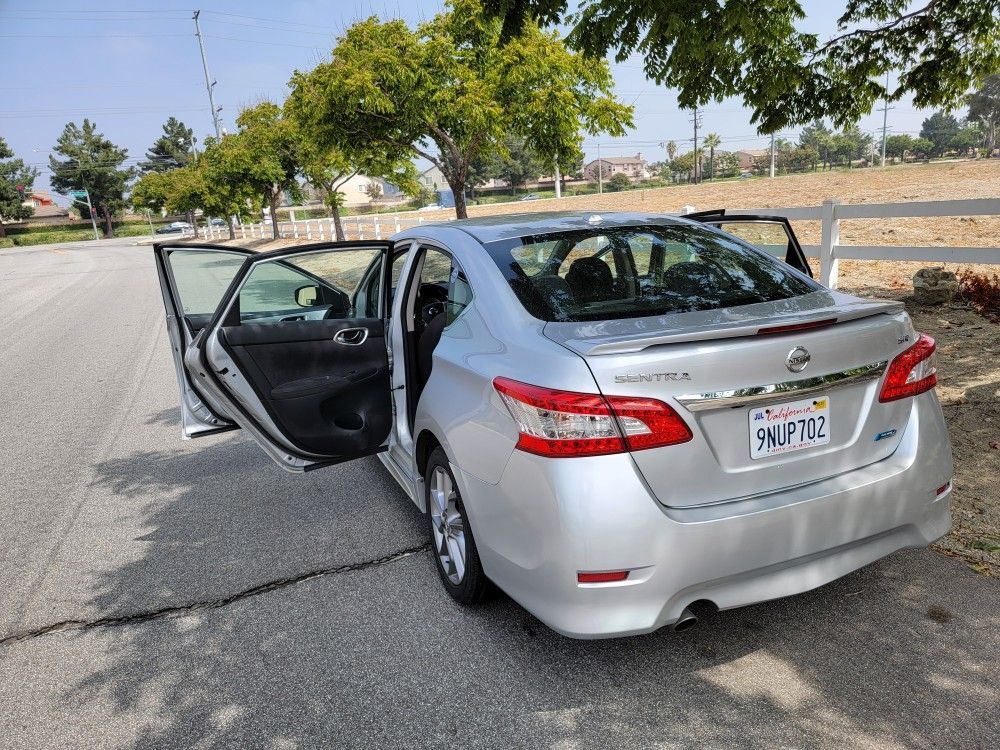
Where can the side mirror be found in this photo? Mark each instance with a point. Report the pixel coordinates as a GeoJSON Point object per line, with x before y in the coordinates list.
{"type": "Point", "coordinates": [307, 296]}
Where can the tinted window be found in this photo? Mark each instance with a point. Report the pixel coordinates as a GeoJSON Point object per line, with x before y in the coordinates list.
{"type": "Point", "coordinates": [202, 276]}
{"type": "Point", "coordinates": [604, 274]}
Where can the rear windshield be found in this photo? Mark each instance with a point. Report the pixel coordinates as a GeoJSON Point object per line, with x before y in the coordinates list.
{"type": "Point", "coordinates": [633, 272]}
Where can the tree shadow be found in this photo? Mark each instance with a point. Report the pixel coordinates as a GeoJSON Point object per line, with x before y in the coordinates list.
{"type": "Point", "coordinates": [902, 653]}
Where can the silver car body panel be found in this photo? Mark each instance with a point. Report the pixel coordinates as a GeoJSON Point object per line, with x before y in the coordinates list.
{"type": "Point", "coordinates": [695, 521]}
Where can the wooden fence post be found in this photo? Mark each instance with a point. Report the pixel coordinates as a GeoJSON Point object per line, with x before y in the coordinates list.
{"type": "Point", "coordinates": [828, 244]}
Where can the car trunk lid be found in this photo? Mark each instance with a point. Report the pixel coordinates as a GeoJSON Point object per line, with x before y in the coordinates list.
{"type": "Point", "coordinates": [720, 368]}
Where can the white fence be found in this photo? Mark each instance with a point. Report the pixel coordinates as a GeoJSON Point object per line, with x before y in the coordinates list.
{"type": "Point", "coordinates": [832, 212]}
{"type": "Point", "coordinates": [366, 227]}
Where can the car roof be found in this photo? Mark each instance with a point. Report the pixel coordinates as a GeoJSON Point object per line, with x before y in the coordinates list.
{"type": "Point", "coordinates": [509, 226]}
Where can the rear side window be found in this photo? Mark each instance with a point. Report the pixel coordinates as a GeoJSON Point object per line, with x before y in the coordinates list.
{"type": "Point", "coordinates": [632, 272]}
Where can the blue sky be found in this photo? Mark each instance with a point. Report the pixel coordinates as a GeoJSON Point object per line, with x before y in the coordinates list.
{"type": "Point", "coordinates": [130, 66]}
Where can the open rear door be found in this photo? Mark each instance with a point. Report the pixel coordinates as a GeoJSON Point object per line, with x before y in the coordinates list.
{"type": "Point", "coordinates": [193, 280]}
{"type": "Point", "coordinates": [772, 234]}
{"type": "Point", "coordinates": [296, 354]}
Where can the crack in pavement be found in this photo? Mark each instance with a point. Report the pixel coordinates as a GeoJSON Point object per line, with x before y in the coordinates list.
{"type": "Point", "coordinates": [182, 610]}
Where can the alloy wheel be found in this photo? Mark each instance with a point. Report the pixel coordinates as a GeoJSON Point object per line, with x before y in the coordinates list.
{"type": "Point", "coordinates": [448, 525]}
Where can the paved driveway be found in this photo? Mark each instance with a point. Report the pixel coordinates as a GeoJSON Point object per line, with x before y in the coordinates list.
{"type": "Point", "coordinates": [155, 593]}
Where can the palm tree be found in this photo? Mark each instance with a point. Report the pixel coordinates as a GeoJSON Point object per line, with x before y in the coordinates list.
{"type": "Point", "coordinates": [671, 150]}
{"type": "Point", "coordinates": [711, 142]}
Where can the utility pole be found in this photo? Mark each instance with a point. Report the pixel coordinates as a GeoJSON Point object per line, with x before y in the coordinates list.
{"type": "Point", "coordinates": [694, 155]}
{"type": "Point", "coordinates": [209, 83]}
{"type": "Point", "coordinates": [772, 154]}
{"type": "Point", "coordinates": [558, 180]}
{"type": "Point", "coordinates": [885, 115]}
{"type": "Point", "coordinates": [600, 170]}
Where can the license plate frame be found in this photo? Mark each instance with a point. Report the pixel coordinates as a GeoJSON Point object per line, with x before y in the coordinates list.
{"type": "Point", "coordinates": [788, 427]}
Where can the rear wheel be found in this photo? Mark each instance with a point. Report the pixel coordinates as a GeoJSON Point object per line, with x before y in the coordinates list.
{"type": "Point", "coordinates": [454, 546]}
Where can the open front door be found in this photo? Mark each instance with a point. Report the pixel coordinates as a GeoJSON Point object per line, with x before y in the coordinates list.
{"type": "Point", "coordinates": [296, 353]}
{"type": "Point", "coordinates": [772, 234]}
{"type": "Point", "coordinates": [193, 280]}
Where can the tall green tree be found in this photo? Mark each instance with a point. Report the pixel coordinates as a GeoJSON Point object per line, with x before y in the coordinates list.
{"type": "Point", "coordinates": [449, 91]}
{"type": "Point", "coordinates": [91, 162]}
{"type": "Point", "coordinates": [712, 141]}
{"type": "Point", "coordinates": [984, 108]}
{"type": "Point", "coordinates": [180, 191]}
{"type": "Point", "coordinates": [228, 167]}
{"type": "Point", "coordinates": [818, 137]}
{"type": "Point", "coordinates": [671, 150]}
{"type": "Point", "coordinates": [271, 144]}
{"type": "Point", "coordinates": [897, 146]}
{"type": "Point", "coordinates": [754, 50]}
{"type": "Point", "coordinates": [171, 150]}
{"type": "Point", "coordinates": [16, 179]}
{"type": "Point", "coordinates": [940, 129]}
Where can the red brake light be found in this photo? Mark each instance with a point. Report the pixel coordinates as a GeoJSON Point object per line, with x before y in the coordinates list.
{"type": "Point", "coordinates": [912, 372]}
{"type": "Point", "coordinates": [566, 424]}
{"type": "Point", "coordinates": [796, 326]}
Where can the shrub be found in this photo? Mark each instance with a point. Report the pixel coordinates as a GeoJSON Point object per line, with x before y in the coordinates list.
{"type": "Point", "coordinates": [619, 182]}
{"type": "Point", "coordinates": [6, 242]}
{"type": "Point", "coordinates": [981, 291]}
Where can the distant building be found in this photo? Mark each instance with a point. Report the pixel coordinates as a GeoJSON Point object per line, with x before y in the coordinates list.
{"type": "Point", "coordinates": [633, 167]}
{"type": "Point", "coordinates": [45, 207]}
{"type": "Point", "coordinates": [356, 191]}
{"type": "Point", "coordinates": [751, 156]}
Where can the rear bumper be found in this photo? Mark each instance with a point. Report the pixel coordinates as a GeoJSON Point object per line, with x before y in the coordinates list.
{"type": "Point", "coordinates": [548, 519]}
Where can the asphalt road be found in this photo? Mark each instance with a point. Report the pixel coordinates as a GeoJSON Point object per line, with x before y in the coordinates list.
{"type": "Point", "coordinates": [151, 591]}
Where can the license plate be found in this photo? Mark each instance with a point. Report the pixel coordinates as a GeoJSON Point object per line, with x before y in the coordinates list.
{"type": "Point", "coordinates": [793, 426]}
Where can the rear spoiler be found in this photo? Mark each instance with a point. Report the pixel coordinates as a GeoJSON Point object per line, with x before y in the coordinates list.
{"type": "Point", "coordinates": [636, 334]}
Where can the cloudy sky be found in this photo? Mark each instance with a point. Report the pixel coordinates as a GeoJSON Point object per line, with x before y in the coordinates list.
{"type": "Point", "coordinates": [130, 68]}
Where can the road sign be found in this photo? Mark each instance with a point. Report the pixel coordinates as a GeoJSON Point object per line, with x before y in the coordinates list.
{"type": "Point", "coordinates": [78, 193]}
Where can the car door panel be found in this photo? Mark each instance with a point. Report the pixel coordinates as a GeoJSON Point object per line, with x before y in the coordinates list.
{"type": "Point", "coordinates": [328, 397]}
{"type": "Point", "coordinates": [310, 384]}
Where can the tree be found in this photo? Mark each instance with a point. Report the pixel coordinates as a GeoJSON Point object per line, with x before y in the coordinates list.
{"type": "Point", "coordinates": [923, 147]}
{"type": "Point", "coordinates": [171, 150]}
{"type": "Point", "coordinates": [180, 191]}
{"type": "Point", "coordinates": [897, 146]}
{"type": "Point", "coordinates": [727, 163]}
{"type": "Point", "coordinates": [940, 129]}
{"type": "Point", "coordinates": [449, 91]}
{"type": "Point", "coordinates": [231, 186]}
{"type": "Point", "coordinates": [712, 141]}
{"type": "Point", "coordinates": [819, 137]}
{"type": "Point", "coordinates": [271, 153]}
{"type": "Point", "coordinates": [671, 150]}
{"type": "Point", "coordinates": [91, 163]}
{"type": "Point", "coordinates": [16, 179]}
{"type": "Point", "coordinates": [619, 181]}
{"type": "Point", "coordinates": [967, 139]}
{"type": "Point", "coordinates": [984, 108]}
{"type": "Point", "coordinates": [713, 50]}
{"type": "Point", "coordinates": [328, 168]}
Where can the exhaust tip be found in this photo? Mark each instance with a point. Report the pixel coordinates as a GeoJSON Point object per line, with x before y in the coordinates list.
{"type": "Point", "coordinates": [685, 621]}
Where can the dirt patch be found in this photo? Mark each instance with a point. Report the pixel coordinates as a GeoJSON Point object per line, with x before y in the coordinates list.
{"type": "Point", "coordinates": [969, 390]}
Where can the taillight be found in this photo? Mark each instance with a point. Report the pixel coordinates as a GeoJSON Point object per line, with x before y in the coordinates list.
{"type": "Point", "coordinates": [563, 424]}
{"type": "Point", "coordinates": [911, 372]}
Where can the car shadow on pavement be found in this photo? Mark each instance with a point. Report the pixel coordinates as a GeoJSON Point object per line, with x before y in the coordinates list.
{"type": "Point", "coordinates": [900, 654]}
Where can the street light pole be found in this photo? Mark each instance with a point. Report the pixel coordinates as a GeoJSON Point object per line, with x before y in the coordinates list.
{"type": "Point", "coordinates": [209, 83]}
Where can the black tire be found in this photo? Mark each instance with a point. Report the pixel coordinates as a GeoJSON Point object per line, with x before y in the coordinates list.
{"type": "Point", "coordinates": [472, 585]}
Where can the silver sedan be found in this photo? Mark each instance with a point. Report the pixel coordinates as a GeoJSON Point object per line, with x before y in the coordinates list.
{"type": "Point", "coordinates": [617, 419]}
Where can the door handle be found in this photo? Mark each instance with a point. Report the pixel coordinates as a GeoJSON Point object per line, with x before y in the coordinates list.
{"type": "Point", "coordinates": [351, 336]}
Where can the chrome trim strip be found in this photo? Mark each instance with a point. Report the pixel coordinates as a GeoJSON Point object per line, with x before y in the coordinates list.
{"type": "Point", "coordinates": [760, 394]}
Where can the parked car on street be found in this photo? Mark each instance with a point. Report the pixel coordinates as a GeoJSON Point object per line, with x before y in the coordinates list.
{"type": "Point", "coordinates": [618, 419]}
{"type": "Point", "coordinates": [431, 207]}
{"type": "Point", "coordinates": [530, 197]}
{"type": "Point", "coordinates": [174, 226]}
